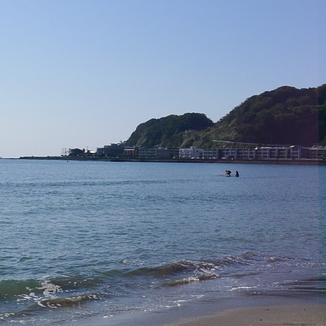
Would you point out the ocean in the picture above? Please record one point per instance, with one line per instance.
(120, 243)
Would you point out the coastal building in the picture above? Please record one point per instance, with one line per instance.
(246, 154)
(210, 154)
(317, 152)
(111, 150)
(264, 153)
(229, 153)
(153, 153)
(191, 153)
(158, 153)
(226, 153)
(281, 152)
(257, 153)
(131, 152)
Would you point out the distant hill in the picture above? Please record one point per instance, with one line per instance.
(286, 115)
(169, 131)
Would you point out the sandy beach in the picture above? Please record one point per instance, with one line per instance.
(298, 314)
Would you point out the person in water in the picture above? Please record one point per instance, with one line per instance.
(228, 172)
(237, 174)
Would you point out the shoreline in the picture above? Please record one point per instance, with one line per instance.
(252, 312)
(267, 161)
(299, 313)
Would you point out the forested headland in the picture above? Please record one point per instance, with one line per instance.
(286, 115)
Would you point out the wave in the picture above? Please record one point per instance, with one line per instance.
(67, 301)
(82, 183)
(10, 288)
(192, 279)
(236, 274)
(305, 288)
(43, 288)
(189, 266)
(313, 285)
(47, 285)
(69, 289)
(278, 259)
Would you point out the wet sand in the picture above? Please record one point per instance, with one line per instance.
(298, 314)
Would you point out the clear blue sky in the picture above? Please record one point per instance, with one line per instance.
(86, 73)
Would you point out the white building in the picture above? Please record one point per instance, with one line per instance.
(211, 153)
(191, 153)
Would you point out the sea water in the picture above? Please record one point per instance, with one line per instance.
(111, 240)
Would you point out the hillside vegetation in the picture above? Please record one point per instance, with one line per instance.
(285, 115)
(169, 131)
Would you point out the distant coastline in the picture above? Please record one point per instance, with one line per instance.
(178, 160)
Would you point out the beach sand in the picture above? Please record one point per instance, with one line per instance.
(298, 314)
